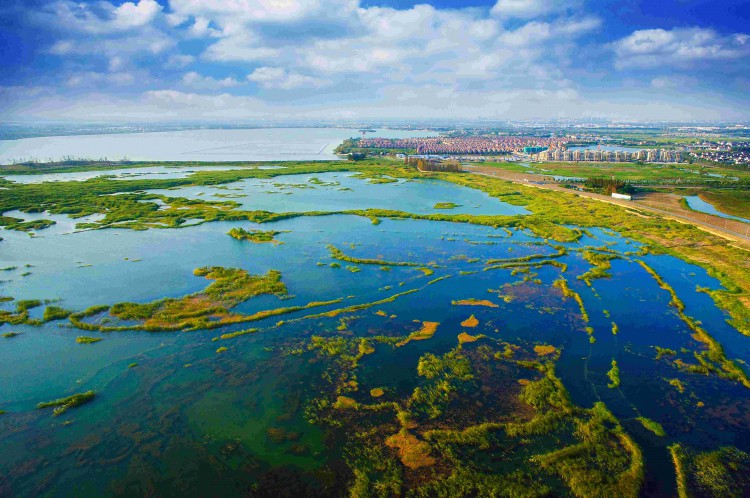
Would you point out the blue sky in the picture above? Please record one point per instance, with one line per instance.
(235, 60)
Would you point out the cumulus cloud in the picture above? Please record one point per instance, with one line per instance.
(198, 81)
(99, 18)
(276, 77)
(678, 47)
(527, 9)
(516, 59)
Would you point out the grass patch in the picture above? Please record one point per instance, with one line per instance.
(64, 404)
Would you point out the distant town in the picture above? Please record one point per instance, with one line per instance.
(589, 148)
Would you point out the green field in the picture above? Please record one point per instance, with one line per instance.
(624, 171)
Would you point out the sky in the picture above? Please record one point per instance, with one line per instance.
(250, 60)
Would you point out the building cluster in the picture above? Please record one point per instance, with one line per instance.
(463, 144)
(647, 156)
(738, 157)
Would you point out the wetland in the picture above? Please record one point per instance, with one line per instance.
(364, 330)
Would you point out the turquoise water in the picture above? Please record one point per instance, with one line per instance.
(188, 421)
(343, 191)
(698, 204)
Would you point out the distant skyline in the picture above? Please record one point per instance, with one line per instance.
(235, 60)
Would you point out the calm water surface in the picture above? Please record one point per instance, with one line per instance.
(264, 144)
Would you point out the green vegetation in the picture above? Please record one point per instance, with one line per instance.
(713, 360)
(614, 376)
(87, 340)
(64, 404)
(652, 426)
(732, 202)
(21, 315)
(552, 213)
(426, 332)
(446, 205)
(55, 313)
(720, 473)
(562, 284)
(206, 309)
(663, 173)
(257, 236)
(338, 254)
(677, 384)
(11, 223)
(601, 263)
(10, 335)
(662, 352)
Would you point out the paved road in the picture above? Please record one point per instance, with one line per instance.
(728, 229)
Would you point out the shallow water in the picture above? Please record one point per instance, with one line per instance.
(698, 204)
(343, 191)
(188, 420)
(263, 144)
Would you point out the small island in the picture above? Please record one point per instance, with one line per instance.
(257, 236)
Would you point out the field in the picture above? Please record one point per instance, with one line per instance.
(626, 171)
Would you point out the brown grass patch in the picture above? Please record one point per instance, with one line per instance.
(476, 302)
(463, 338)
(544, 350)
(412, 452)
(470, 322)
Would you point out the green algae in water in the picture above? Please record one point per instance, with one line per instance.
(62, 405)
(87, 340)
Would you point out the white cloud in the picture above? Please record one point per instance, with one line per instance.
(131, 15)
(196, 80)
(678, 47)
(178, 61)
(243, 47)
(527, 9)
(276, 77)
(99, 18)
(94, 79)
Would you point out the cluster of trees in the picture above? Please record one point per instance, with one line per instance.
(428, 165)
(610, 185)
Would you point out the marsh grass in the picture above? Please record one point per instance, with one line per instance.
(64, 404)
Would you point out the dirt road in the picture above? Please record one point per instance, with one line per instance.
(667, 205)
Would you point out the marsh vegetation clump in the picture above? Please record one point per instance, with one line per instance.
(427, 330)
(652, 426)
(338, 254)
(412, 452)
(465, 338)
(64, 404)
(206, 309)
(614, 376)
(446, 205)
(257, 236)
(87, 340)
(724, 472)
(662, 352)
(475, 302)
(545, 349)
(55, 313)
(562, 284)
(470, 322)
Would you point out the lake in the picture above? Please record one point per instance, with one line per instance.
(262, 144)
(294, 407)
